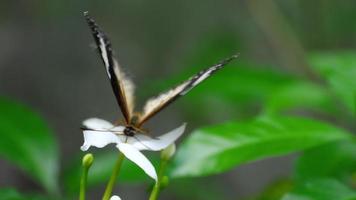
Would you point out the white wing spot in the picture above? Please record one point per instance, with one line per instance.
(104, 55)
(202, 77)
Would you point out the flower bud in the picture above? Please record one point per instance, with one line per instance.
(115, 197)
(88, 160)
(164, 182)
(168, 152)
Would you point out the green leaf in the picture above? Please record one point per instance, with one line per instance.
(28, 143)
(101, 170)
(336, 159)
(321, 189)
(339, 69)
(219, 148)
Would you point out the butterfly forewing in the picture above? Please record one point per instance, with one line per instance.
(123, 87)
(156, 104)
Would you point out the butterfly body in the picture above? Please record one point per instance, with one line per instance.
(123, 87)
(129, 131)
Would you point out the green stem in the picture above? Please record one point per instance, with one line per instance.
(157, 186)
(115, 173)
(87, 161)
(83, 183)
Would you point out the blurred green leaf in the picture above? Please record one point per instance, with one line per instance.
(219, 148)
(101, 170)
(300, 94)
(28, 143)
(12, 194)
(339, 69)
(336, 159)
(321, 189)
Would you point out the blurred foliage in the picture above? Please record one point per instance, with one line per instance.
(12, 194)
(198, 189)
(336, 160)
(321, 189)
(28, 143)
(339, 70)
(275, 190)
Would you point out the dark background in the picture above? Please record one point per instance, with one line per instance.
(48, 62)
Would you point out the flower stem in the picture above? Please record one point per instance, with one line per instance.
(83, 184)
(115, 173)
(87, 161)
(157, 187)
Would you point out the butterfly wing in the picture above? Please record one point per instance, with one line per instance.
(123, 87)
(156, 104)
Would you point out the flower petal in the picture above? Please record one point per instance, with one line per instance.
(138, 158)
(142, 142)
(98, 139)
(98, 124)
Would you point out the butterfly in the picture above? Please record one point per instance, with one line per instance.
(123, 87)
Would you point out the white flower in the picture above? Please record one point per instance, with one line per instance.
(102, 133)
(115, 197)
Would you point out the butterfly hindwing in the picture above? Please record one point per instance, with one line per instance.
(123, 87)
(156, 104)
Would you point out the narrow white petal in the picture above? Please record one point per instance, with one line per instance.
(138, 158)
(142, 142)
(96, 123)
(98, 139)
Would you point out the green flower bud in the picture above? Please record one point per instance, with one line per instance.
(164, 182)
(88, 160)
(168, 152)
